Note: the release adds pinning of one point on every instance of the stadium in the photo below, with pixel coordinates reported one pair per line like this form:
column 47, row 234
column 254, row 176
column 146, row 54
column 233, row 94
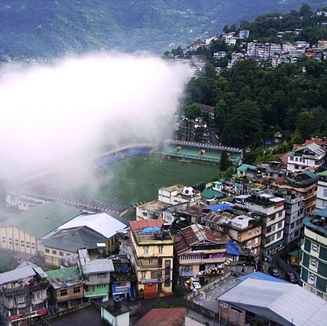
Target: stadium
column 177, row 162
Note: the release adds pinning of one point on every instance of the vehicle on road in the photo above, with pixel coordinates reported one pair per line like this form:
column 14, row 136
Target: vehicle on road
column 272, row 270
column 291, row 277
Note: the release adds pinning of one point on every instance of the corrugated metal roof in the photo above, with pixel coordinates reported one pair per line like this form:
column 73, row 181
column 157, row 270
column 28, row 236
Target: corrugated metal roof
column 17, row 274
column 98, row 266
column 163, row 317
column 286, row 304
column 103, row 223
column 75, row 238
column 42, row 219
column 63, row 277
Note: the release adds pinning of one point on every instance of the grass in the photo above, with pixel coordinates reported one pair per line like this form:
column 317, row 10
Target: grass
column 138, row 179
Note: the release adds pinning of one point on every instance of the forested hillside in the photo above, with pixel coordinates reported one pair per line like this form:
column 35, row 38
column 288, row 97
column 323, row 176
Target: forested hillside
column 47, row 28
column 253, row 102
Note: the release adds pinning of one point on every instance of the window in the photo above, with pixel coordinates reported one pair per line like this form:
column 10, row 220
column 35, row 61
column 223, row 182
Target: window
column 146, row 250
column 257, row 230
column 325, row 192
column 249, row 232
column 280, row 224
column 61, row 253
column 280, row 214
column 63, row 292
column 313, row 262
column 101, row 275
column 315, row 247
column 312, row 278
column 143, row 274
column 187, row 269
column 160, row 249
column 38, row 295
column 255, row 240
column 20, row 299
column 291, row 158
column 54, row 252
column 324, row 203
column 279, row 234
column 77, row 289
column 292, row 225
column 101, row 286
column 46, row 250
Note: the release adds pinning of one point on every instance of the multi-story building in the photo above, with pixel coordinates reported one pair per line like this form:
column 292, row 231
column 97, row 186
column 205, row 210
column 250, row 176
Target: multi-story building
column 67, row 288
column 294, row 214
column 303, row 185
column 314, row 254
column 271, row 211
column 23, row 295
column 151, row 249
column 246, row 232
column 308, row 156
column 96, row 276
column 199, row 251
column 321, row 200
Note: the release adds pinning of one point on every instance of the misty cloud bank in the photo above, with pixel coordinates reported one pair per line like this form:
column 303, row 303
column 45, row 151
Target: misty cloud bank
column 52, row 114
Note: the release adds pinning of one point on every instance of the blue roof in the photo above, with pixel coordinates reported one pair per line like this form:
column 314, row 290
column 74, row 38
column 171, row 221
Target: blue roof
column 231, row 248
column 220, row 207
column 261, row 276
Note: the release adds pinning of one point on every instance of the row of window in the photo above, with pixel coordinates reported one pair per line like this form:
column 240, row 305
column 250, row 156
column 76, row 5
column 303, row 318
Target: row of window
column 17, row 241
column 54, row 252
column 64, row 292
column 146, row 250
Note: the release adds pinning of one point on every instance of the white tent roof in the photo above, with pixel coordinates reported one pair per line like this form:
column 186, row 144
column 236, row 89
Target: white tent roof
column 103, row 223
column 286, row 304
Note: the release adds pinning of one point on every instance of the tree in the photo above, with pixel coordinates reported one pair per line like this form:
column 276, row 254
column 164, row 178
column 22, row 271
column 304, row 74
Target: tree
column 192, row 111
column 225, row 162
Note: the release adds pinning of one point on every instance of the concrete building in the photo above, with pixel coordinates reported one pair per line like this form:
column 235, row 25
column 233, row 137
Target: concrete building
column 23, row 232
column 314, row 254
column 151, row 250
column 271, row 212
column 200, row 251
column 67, row 288
column 96, row 276
column 253, row 299
column 321, row 200
column 308, row 156
column 23, row 295
column 303, row 185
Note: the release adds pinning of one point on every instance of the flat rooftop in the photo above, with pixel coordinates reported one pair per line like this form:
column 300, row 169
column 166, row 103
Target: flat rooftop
column 89, row 315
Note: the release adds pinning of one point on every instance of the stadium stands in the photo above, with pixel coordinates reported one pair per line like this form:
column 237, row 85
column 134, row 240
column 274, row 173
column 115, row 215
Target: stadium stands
column 199, row 152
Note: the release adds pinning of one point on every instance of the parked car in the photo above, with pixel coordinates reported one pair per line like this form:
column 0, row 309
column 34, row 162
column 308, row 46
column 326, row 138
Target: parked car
column 272, row 270
column 291, row 277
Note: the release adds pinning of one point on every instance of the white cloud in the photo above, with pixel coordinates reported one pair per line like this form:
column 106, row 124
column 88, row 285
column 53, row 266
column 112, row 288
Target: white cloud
column 50, row 113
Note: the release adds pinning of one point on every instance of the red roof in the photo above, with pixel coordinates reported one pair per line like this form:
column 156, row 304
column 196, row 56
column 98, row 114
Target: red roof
column 140, row 225
column 163, row 317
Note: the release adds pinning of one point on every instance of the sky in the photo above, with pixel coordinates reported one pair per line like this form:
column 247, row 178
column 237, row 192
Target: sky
column 55, row 114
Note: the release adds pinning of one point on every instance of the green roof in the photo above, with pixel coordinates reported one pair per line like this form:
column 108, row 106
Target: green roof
column 69, row 272
column 40, row 220
column 245, row 167
column 208, row 193
column 323, row 173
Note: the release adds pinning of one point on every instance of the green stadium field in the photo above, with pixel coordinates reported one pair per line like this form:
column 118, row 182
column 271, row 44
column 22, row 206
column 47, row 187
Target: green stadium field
column 138, row 179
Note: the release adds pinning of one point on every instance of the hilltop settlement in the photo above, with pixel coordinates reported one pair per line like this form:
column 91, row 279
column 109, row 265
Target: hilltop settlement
column 249, row 248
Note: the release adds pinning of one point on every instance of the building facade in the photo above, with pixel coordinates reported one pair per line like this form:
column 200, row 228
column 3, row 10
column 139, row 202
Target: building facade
column 314, row 254
column 151, row 249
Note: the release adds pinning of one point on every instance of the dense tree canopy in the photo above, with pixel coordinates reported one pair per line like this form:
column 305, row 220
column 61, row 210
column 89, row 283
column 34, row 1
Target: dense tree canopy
column 253, row 102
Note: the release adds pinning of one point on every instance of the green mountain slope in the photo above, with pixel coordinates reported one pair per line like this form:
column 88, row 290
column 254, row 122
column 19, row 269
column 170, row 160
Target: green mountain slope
column 47, row 28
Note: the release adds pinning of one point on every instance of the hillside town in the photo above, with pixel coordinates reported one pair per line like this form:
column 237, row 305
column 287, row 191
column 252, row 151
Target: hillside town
column 249, row 248
column 219, row 246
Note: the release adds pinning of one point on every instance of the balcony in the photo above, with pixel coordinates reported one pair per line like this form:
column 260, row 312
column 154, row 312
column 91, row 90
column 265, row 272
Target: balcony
column 96, row 293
